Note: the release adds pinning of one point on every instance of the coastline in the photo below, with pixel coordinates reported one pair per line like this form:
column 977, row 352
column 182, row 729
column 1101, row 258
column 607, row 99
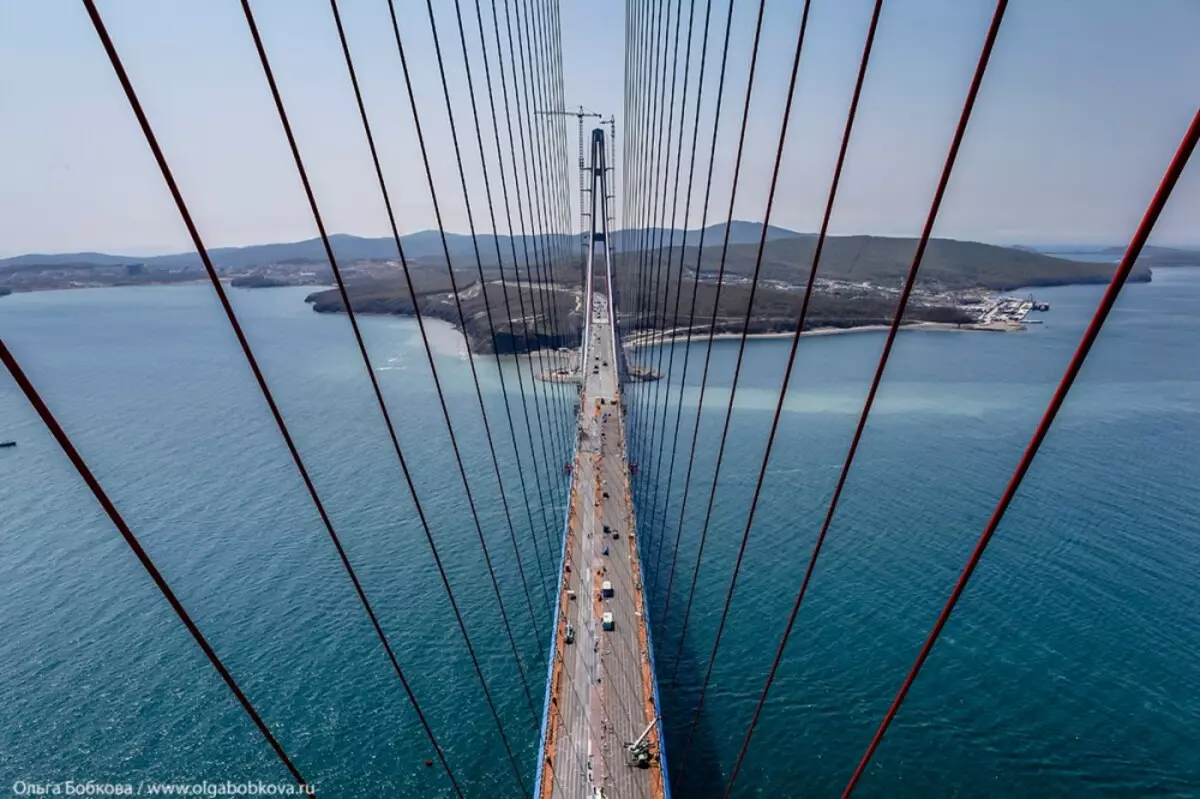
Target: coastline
column 644, row 340
column 555, row 360
column 641, row 339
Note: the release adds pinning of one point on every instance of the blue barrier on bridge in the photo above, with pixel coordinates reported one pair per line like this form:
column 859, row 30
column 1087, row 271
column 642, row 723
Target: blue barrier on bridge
column 537, row 786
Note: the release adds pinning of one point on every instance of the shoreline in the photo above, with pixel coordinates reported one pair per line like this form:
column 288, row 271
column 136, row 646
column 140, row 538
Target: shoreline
column 634, row 341
column 638, row 340
column 643, row 340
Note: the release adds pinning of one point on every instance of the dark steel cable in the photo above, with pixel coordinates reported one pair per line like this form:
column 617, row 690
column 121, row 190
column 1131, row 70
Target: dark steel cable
column 652, row 238
column 645, row 26
column 695, row 281
column 1140, row 236
column 737, row 370
column 656, row 179
column 303, row 174
column 554, row 98
column 533, row 181
column 635, row 140
column 534, row 274
column 630, row 121
column 927, row 231
column 664, row 342
column 491, row 212
column 437, row 47
column 64, row 441
column 620, row 237
column 621, row 275
column 626, row 265
column 532, row 72
column 691, row 461
column 429, row 351
column 644, row 100
column 169, row 178
column 544, row 212
column 544, row 141
column 551, row 531
column 568, row 395
column 551, row 32
column 682, row 257
column 649, row 187
column 550, row 528
column 737, row 167
column 503, row 282
column 552, row 36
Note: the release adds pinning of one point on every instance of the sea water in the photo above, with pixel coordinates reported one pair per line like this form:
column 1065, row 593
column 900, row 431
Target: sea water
column 1072, row 665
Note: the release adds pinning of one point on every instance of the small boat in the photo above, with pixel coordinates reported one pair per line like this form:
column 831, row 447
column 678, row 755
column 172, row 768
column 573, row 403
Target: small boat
column 7, row 444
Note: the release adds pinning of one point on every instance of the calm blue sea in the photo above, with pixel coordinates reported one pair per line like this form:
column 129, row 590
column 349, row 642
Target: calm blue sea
column 1072, row 666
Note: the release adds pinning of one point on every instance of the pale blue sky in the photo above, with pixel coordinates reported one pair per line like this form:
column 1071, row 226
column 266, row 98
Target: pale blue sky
column 1082, row 107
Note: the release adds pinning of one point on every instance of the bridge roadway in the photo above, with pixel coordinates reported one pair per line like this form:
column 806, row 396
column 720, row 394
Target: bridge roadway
column 602, row 689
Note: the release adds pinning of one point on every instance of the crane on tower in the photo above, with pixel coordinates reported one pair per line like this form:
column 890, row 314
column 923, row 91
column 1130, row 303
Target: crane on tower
column 580, row 114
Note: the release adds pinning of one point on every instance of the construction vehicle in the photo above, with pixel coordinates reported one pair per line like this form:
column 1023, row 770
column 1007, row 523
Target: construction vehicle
column 638, row 753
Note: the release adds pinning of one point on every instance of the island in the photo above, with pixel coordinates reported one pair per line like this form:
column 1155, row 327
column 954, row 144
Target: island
column 961, row 284
column 523, row 317
column 1156, row 256
column 5, row 291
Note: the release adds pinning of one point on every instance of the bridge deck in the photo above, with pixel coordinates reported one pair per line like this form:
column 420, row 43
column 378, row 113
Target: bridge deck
column 602, row 684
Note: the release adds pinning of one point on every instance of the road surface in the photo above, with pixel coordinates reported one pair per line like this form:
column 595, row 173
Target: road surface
column 601, row 684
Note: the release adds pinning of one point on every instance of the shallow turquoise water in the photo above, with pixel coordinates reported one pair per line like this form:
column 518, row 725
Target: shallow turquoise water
column 1071, row 666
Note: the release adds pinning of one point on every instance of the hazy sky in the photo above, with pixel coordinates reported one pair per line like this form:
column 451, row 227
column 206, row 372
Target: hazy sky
column 1082, row 108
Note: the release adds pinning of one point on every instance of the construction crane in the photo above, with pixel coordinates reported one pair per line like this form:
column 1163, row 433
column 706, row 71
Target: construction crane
column 580, row 114
column 638, row 752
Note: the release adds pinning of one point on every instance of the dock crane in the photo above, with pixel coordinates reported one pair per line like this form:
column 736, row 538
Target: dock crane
column 580, row 114
column 638, row 753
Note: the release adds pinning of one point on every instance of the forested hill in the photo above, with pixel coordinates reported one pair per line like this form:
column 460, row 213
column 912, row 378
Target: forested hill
column 858, row 279
column 948, row 264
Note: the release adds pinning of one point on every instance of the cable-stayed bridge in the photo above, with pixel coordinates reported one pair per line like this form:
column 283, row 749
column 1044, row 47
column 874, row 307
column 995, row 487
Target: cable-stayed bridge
column 589, row 461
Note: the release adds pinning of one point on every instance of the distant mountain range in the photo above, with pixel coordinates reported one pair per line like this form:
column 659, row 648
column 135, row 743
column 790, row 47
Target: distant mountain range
column 423, row 246
column 426, row 246
column 740, row 232
column 1152, row 255
column 417, row 246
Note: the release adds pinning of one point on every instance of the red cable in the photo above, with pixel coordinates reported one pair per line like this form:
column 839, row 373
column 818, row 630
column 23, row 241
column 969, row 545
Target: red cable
column 143, row 557
column 160, row 158
column 927, row 231
column 1174, row 170
column 737, row 371
column 804, row 305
